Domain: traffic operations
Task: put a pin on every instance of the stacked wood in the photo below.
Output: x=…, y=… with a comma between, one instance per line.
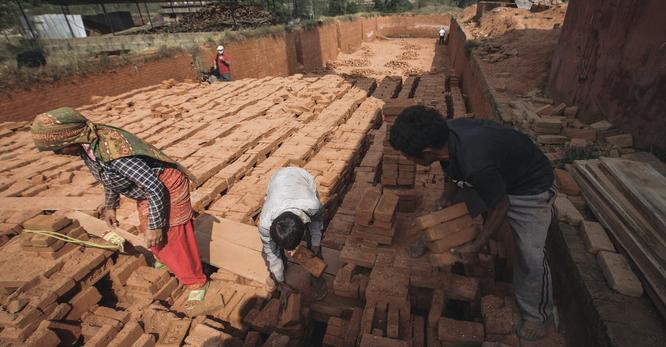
x=629, y=199
x=446, y=229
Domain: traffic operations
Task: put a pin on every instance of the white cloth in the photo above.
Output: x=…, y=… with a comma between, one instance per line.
x=290, y=189
x=442, y=32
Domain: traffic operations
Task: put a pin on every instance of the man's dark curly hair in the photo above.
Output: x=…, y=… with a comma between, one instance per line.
x=417, y=128
x=287, y=230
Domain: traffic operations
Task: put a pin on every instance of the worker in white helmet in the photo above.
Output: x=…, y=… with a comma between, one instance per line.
x=222, y=65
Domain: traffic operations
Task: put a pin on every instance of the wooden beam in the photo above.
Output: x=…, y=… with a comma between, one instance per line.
x=231, y=245
x=98, y=227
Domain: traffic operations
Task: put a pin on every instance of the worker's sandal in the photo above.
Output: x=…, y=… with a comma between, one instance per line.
x=196, y=296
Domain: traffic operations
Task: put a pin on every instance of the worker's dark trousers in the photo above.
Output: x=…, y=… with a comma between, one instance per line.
x=530, y=217
x=441, y=40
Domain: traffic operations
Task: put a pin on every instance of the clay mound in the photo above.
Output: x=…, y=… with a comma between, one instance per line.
x=409, y=55
x=395, y=64
x=355, y=62
x=467, y=14
x=503, y=19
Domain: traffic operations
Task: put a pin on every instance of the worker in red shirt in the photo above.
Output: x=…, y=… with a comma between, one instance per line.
x=222, y=65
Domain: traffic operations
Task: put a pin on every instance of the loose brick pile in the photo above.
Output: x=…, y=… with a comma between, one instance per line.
x=233, y=137
x=367, y=238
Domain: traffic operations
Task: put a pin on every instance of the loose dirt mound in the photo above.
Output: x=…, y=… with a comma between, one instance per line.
x=396, y=64
x=409, y=55
x=503, y=19
x=467, y=14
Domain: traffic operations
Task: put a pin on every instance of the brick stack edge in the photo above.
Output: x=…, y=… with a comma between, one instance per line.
x=377, y=295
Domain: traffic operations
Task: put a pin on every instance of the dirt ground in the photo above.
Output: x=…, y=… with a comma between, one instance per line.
x=397, y=57
x=515, y=46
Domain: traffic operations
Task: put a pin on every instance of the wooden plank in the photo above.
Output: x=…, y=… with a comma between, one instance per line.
x=651, y=273
x=643, y=184
x=231, y=245
x=98, y=227
x=87, y=202
x=216, y=228
x=649, y=238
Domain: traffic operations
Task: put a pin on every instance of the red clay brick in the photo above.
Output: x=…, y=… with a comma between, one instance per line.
x=127, y=336
x=460, y=332
x=43, y=337
x=304, y=256
x=386, y=209
x=441, y=216
x=565, y=183
x=47, y=223
x=437, y=306
x=368, y=340
x=292, y=313
x=103, y=336
x=176, y=333
x=121, y=273
x=145, y=340
x=393, y=322
x=366, y=206
x=83, y=301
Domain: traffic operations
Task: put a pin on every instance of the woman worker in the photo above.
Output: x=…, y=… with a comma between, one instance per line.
x=125, y=164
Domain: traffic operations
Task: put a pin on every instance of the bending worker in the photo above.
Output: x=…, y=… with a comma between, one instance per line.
x=125, y=164
x=291, y=213
x=510, y=177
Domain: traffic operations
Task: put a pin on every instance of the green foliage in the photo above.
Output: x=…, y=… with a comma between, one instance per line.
x=342, y=7
x=572, y=154
x=393, y=5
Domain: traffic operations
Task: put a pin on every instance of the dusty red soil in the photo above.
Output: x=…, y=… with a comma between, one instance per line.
x=391, y=57
x=515, y=46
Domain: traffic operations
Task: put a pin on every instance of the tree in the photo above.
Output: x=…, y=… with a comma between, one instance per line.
x=8, y=16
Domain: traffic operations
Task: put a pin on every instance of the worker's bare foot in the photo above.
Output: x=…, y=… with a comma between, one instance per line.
x=531, y=330
x=418, y=249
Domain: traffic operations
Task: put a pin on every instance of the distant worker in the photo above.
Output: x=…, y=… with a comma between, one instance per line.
x=442, y=36
x=222, y=65
x=125, y=164
x=291, y=213
x=509, y=177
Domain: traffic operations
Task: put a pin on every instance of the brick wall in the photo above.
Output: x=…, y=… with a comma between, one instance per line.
x=277, y=55
x=369, y=28
x=319, y=45
x=268, y=56
x=78, y=91
x=474, y=84
x=350, y=35
x=412, y=26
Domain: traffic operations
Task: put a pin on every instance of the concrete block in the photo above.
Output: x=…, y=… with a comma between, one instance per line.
x=567, y=212
x=618, y=273
x=595, y=238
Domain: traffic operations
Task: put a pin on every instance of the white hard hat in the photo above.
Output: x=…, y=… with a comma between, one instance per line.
x=220, y=48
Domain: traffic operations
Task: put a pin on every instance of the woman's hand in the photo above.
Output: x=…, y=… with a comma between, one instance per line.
x=153, y=237
x=110, y=217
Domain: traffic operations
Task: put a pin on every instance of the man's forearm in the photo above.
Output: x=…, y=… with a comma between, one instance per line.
x=495, y=218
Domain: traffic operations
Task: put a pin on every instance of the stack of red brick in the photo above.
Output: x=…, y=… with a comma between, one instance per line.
x=446, y=229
